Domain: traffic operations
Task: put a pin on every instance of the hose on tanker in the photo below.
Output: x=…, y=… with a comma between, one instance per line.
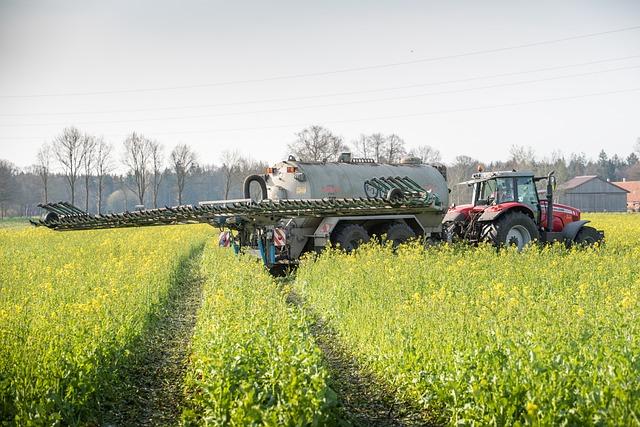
x=247, y=186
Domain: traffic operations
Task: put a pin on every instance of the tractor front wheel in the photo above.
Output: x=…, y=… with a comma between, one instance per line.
x=511, y=229
x=587, y=236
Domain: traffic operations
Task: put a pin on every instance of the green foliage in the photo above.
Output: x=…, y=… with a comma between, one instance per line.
x=253, y=360
x=72, y=307
x=549, y=336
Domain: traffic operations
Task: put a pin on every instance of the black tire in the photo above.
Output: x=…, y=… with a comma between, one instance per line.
x=398, y=233
x=512, y=228
x=350, y=236
x=247, y=186
x=587, y=236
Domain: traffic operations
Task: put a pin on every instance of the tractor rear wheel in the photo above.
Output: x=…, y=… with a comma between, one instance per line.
x=511, y=229
x=587, y=236
x=350, y=236
x=398, y=233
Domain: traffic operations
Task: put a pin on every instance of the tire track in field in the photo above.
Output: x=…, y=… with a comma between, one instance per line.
x=363, y=399
x=153, y=392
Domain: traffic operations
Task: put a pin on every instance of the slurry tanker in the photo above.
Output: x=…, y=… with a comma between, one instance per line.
x=297, y=207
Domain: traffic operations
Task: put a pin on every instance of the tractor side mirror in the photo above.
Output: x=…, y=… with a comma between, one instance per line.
x=553, y=183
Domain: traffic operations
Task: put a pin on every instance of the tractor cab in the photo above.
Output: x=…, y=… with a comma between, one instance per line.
x=498, y=188
x=506, y=210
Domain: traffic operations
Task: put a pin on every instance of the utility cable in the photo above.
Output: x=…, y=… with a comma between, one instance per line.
x=337, y=104
x=376, y=118
x=336, y=71
x=327, y=95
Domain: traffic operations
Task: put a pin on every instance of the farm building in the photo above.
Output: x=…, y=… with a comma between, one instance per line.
x=591, y=193
x=633, y=197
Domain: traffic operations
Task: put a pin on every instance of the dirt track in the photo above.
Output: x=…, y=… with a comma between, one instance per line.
x=154, y=383
x=363, y=399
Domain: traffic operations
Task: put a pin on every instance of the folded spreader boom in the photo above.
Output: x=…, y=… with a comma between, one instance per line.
x=280, y=230
x=64, y=216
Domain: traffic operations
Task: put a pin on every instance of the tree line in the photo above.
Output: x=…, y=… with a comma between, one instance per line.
x=80, y=168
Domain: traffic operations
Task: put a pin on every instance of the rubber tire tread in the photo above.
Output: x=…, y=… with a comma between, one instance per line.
x=587, y=232
x=496, y=232
x=346, y=233
x=401, y=230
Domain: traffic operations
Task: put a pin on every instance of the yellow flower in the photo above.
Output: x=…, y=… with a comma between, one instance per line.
x=531, y=408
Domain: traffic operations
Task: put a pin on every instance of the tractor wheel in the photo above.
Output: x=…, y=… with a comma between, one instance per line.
x=587, y=236
x=398, y=233
x=350, y=236
x=512, y=228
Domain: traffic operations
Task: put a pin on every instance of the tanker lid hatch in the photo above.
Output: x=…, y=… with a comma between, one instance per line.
x=344, y=158
x=411, y=160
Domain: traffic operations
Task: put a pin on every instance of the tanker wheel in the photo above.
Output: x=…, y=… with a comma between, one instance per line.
x=398, y=233
x=511, y=229
x=587, y=236
x=350, y=236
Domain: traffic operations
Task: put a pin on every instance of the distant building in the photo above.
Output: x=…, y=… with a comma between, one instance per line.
x=633, y=195
x=593, y=194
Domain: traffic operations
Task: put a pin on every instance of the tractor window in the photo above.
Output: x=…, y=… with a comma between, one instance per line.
x=487, y=192
x=527, y=191
x=504, y=190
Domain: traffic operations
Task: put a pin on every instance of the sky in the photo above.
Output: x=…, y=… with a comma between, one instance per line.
x=465, y=77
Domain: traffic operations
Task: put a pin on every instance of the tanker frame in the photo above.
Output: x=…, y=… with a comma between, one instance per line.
x=297, y=207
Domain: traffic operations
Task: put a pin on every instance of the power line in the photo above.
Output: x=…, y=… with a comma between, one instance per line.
x=336, y=71
x=357, y=92
x=336, y=104
x=388, y=117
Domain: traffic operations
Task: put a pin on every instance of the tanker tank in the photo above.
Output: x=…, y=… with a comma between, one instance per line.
x=316, y=180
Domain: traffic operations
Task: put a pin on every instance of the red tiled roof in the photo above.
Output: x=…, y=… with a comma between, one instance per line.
x=633, y=187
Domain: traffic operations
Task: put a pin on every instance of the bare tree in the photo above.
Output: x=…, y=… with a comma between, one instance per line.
x=88, y=159
x=43, y=168
x=427, y=154
x=376, y=144
x=182, y=160
x=361, y=148
x=137, y=158
x=231, y=163
x=68, y=150
x=157, y=165
x=103, y=166
x=521, y=157
x=460, y=171
x=394, y=148
x=315, y=144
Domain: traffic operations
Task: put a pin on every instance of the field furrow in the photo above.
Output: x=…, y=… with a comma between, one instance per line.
x=152, y=387
x=363, y=399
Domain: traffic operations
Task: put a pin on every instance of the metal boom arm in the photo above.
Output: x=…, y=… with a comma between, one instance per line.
x=64, y=216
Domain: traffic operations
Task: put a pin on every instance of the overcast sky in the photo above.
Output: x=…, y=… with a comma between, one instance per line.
x=248, y=75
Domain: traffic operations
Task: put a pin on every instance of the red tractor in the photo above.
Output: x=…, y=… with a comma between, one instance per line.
x=506, y=210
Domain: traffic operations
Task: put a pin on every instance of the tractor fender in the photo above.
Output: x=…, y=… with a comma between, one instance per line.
x=491, y=214
x=570, y=230
x=454, y=216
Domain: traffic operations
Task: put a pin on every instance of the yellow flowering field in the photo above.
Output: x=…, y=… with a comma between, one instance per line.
x=253, y=359
x=549, y=336
x=72, y=306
